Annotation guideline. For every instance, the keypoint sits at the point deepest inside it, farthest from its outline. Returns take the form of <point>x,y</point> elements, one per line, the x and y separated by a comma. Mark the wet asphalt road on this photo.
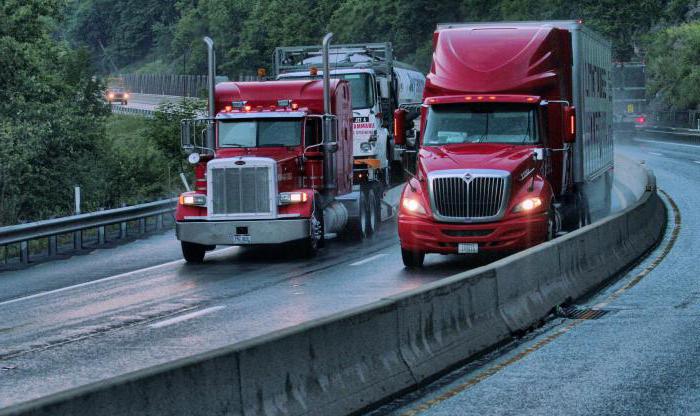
<point>70,322</point>
<point>62,327</point>
<point>642,358</point>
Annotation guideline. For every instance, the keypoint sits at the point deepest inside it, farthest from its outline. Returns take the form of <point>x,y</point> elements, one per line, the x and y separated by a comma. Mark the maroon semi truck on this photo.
<point>516,138</point>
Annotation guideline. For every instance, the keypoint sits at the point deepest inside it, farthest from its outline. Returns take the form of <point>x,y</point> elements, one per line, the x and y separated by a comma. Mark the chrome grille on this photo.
<point>240,190</point>
<point>456,197</point>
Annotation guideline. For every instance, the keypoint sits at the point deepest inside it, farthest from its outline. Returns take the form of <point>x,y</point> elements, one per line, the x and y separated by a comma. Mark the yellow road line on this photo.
<point>561,331</point>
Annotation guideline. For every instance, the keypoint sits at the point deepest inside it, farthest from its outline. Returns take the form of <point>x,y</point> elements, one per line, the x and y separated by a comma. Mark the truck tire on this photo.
<point>315,240</point>
<point>357,226</point>
<point>553,224</point>
<point>193,252</point>
<point>373,214</point>
<point>412,259</point>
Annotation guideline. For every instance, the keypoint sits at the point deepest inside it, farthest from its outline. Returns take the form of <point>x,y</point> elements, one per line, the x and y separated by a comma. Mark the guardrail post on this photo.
<point>77,240</point>
<point>24,252</point>
<point>100,235</point>
<point>53,246</point>
<point>159,222</point>
<point>142,225</point>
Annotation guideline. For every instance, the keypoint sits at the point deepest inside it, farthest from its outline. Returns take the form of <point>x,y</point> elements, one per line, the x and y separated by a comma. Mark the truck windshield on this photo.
<point>260,133</point>
<point>481,123</point>
<point>361,89</point>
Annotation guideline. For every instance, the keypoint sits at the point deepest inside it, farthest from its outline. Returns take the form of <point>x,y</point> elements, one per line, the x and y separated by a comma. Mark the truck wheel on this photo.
<point>552,224</point>
<point>373,216</point>
<point>193,252</point>
<point>315,240</point>
<point>358,225</point>
<point>412,259</point>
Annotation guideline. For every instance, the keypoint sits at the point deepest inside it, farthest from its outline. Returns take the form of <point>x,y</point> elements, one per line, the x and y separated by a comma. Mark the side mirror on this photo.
<point>383,88</point>
<point>569,124</point>
<point>400,126</point>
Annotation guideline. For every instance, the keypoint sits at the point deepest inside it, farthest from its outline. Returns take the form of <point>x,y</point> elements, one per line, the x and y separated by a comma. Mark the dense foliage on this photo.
<point>246,32</point>
<point>56,131</point>
<point>673,79</point>
<point>51,115</point>
<point>165,35</point>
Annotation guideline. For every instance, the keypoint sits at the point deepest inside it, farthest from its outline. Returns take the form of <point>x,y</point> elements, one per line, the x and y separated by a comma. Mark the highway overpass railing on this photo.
<point>48,232</point>
<point>343,363</point>
<point>131,111</point>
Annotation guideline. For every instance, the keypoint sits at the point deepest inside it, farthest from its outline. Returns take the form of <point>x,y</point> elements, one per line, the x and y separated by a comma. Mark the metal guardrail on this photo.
<point>130,111</point>
<point>22,234</point>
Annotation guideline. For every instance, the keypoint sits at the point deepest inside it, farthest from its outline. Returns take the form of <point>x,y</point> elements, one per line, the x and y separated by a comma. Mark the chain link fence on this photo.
<point>176,85</point>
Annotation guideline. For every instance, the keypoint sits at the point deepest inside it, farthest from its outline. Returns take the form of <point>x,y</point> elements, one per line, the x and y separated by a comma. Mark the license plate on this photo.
<point>241,239</point>
<point>468,248</point>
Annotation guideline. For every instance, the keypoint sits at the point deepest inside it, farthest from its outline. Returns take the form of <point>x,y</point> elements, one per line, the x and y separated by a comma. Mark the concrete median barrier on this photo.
<point>348,361</point>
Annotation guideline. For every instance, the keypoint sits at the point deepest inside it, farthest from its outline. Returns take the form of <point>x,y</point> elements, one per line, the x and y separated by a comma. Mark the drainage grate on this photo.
<point>573,312</point>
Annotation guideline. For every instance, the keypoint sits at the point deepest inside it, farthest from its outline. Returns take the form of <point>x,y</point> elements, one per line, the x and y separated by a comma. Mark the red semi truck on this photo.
<point>274,166</point>
<point>516,139</point>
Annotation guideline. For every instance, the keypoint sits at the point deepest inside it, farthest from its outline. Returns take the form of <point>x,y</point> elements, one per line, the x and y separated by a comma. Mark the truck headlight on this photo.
<point>196,199</point>
<point>286,198</point>
<point>528,204</point>
<point>412,205</point>
<point>366,147</point>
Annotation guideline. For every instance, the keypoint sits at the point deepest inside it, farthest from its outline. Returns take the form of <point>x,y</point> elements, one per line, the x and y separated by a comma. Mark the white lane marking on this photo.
<point>368,259</point>
<point>185,317</point>
<point>696,161</point>
<point>655,154</point>
<point>105,279</point>
<point>672,144</point>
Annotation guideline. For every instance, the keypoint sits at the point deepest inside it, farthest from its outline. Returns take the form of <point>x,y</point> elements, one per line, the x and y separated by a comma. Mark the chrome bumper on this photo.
<point>234,232</point>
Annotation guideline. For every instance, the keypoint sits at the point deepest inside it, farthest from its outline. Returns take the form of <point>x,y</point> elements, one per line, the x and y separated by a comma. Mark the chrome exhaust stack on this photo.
<point>329,141</point>
<point>211,84</point>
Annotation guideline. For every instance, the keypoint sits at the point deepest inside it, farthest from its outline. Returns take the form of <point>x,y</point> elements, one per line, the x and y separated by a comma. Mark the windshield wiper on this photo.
<point>486,132</point>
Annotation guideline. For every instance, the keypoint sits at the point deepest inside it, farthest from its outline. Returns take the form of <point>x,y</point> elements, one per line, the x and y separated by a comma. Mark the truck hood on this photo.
<point>513,159</point>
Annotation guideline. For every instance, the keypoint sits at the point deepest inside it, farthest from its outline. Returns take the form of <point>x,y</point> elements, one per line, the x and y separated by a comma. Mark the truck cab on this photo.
<point>265,181</point>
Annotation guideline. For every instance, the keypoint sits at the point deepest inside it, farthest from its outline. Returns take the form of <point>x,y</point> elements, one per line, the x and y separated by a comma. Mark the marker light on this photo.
<point>193,199</point>
<point>126,95</point>
<point>228,108</point>
<point>528,205</point>
<point>295,106</point>
<point>286,198</point>
<point>247,108</point>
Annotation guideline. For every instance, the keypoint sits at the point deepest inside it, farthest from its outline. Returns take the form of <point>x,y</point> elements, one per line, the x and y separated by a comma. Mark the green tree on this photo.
<point>673,74</point>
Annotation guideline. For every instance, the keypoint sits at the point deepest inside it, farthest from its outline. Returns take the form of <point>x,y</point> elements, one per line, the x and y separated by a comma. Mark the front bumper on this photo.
<point>427,235</point>
<point>239,233</point>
